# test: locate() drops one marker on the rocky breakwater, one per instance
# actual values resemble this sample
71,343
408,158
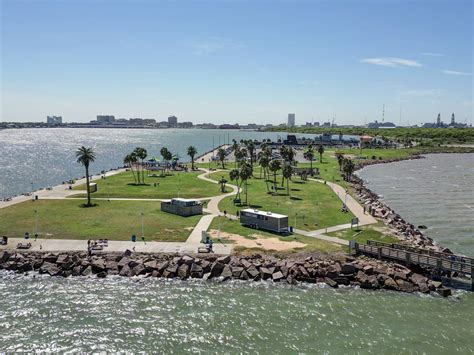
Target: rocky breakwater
334,271
406,231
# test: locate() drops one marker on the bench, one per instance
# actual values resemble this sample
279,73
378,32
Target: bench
23,246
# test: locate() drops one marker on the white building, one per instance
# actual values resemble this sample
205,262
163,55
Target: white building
291,120
54,120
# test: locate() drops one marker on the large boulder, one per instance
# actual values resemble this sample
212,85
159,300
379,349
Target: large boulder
226,272
183,271
125,271
390,284
224,259
196,270
348,269
253,272
236,271
188,260
406,286
50,258
49,268
277,276
150,266
265,273
330,282
87,271
216,269
333,271
138,269
4,256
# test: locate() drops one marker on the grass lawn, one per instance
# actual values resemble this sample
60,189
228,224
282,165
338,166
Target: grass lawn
187,184
364,233
234,227
315,205
117,220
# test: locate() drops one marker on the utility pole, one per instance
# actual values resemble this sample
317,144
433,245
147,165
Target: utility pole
143,228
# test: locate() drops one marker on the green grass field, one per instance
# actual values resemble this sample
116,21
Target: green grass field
314,205
186,184
115,220
234,227
362,234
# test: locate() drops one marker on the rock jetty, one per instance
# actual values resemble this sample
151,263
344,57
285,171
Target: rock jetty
334,270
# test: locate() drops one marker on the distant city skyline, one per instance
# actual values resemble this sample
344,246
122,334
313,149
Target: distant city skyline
237,62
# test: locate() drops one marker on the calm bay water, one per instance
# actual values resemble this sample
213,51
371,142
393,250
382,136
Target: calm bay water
34,158
82,314
437,192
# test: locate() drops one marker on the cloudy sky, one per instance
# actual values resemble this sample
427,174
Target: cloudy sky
237,61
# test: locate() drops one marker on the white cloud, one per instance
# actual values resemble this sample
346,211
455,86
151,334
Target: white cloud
213,44
454,72
429,54
392,62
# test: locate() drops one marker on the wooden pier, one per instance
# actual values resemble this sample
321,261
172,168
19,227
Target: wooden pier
414,256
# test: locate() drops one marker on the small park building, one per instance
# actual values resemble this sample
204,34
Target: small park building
182,207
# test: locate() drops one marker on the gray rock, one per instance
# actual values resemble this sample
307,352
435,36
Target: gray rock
226,273
265,273
62,258
138,269
87,271
224,259
333,271
4,256
124,261
186,259
348,269
253,272
237,271
330,282
216,269
405,286
50,258
49,268
161,266
102,274
125,271
277,276
183,271
444,291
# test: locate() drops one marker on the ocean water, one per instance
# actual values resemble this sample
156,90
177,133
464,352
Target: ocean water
437,191
118,314
40,313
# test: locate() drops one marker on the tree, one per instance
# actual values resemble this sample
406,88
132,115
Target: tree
274,166
222,182
340,159
234,174
246,172
130,160
287,172
251,150
85,156
141,154
235,148
192,151
348,168
221,156
263,160
164,153
287,153
309,155
240,155
320,151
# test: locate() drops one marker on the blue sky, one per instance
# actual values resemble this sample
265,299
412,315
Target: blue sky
237,61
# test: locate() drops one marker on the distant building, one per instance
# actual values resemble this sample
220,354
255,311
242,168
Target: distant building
229,126
149,121
54,120
291,120
377,124
105,118
185,125
172,122
441,124
136,121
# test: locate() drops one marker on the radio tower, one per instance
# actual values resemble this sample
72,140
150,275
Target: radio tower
383,113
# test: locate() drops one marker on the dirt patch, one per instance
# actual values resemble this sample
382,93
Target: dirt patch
258,241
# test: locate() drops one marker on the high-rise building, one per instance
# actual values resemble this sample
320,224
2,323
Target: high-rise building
105,118
438,120
291,120
172,122
54,120
453,120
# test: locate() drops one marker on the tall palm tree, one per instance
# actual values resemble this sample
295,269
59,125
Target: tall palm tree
309,155
348,168
320,151
234,174
246,172
251,149
141,154
85,156
192,151
263,160
287,172
274,166
129,160
235,148
221,156
164,153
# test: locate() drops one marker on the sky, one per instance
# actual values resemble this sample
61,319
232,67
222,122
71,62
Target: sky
237,61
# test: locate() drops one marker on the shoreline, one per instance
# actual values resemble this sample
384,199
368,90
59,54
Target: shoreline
333,270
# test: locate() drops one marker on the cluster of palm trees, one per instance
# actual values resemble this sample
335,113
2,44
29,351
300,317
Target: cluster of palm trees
346,166
192,151
131,160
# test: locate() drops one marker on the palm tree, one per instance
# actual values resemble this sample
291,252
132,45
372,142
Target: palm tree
192,151
263,160
164,153
348,168
129,160
235,148
320,151
287,173
340,159
222,182
221,156
246,172
234,174
85,156
309,155
274,166
251,149
141,154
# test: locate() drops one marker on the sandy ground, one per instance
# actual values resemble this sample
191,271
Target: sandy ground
258,242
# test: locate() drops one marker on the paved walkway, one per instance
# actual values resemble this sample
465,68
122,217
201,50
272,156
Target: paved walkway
194,240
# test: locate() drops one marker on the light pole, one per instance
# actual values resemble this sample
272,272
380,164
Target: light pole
179,186
143,231
36,224
32,192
